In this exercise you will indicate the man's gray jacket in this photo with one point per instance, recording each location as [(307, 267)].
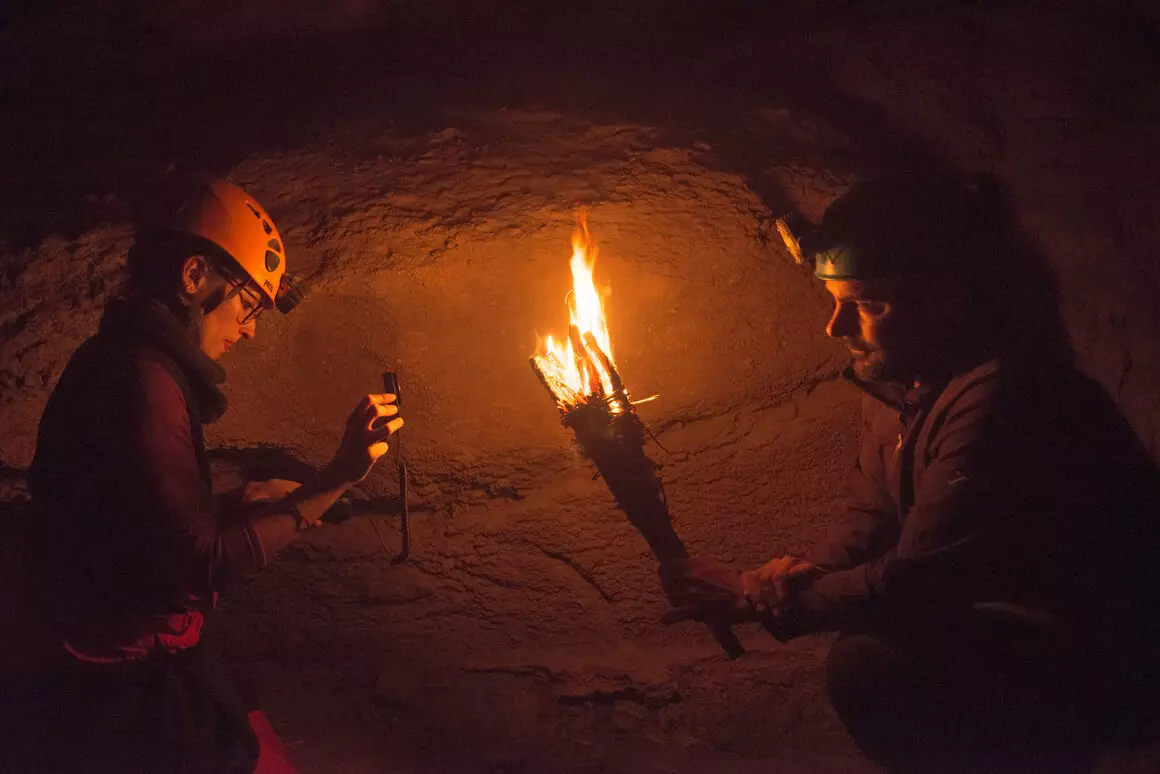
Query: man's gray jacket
[(996, 486)]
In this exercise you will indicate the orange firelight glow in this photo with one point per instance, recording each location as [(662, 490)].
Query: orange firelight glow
[(576, 375)]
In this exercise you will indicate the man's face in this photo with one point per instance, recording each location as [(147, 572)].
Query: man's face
[(233, 320), (878, 327)]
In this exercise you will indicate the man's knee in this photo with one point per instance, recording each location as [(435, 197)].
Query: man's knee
[(864, 669), (917, 698), (874, 686)]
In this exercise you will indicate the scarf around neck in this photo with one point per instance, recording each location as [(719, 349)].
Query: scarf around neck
[(150, 321)]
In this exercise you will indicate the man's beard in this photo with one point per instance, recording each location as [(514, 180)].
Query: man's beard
[(868, 367), (876, 366)]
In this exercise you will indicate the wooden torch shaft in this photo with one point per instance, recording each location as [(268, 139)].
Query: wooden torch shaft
[(632, 478), (612, 436), (639, 494)]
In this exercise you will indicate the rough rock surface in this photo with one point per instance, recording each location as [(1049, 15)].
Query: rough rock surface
[(426, 185)]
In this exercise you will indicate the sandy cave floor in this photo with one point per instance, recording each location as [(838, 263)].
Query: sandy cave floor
[(433, 218)]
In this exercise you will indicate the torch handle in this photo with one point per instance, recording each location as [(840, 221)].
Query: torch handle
[(639, 493), (615, 444), (728, 641)]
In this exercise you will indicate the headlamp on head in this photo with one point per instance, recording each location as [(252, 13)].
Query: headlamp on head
[(901, 225), (291, 291), (808, 246)]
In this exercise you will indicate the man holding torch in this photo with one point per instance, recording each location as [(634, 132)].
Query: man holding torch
[(988, 563)]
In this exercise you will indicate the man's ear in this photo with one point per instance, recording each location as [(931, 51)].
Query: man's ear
[(194, 276)]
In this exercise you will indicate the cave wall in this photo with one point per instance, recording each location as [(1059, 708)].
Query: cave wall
[(431, 203)]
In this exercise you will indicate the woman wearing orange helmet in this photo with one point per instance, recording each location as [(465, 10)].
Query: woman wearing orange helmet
[(131, 546)]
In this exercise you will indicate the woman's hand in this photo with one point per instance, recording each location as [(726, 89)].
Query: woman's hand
[(365, 438)]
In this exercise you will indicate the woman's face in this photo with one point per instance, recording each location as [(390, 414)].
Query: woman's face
[(232, 320)]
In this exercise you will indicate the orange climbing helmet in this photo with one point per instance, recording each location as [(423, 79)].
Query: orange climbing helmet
[(219, 212)]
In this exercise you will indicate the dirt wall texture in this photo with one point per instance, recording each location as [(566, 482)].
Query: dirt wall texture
[(427, 190)]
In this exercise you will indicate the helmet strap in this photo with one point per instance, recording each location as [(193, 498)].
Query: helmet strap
[(194, 315), (222, 293), (215, 299)]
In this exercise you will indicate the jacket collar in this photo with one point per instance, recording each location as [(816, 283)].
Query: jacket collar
[(901, 397), (898, 396), (149, 321)]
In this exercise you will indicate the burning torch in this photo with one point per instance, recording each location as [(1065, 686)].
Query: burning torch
[(583, 381)]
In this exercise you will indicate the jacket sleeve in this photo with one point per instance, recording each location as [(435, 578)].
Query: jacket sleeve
[(192, 545), (930, 564), (867, 525)]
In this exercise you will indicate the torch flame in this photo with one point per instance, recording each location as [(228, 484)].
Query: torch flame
[(586, 308), (571, 369)]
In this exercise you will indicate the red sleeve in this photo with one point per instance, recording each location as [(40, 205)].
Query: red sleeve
[(194, 547)]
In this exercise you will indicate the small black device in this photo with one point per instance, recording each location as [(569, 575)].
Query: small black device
[(391, 385)]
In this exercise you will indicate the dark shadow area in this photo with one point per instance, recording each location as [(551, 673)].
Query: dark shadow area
[(1010, 691), (99, 116), (13, 485), (258, 463), (231, 467)]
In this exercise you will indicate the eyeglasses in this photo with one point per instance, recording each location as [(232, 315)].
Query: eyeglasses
[(252, 304)]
